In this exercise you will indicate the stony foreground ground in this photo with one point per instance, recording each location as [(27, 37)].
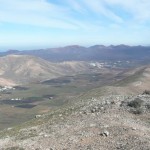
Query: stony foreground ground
[(101, 123)]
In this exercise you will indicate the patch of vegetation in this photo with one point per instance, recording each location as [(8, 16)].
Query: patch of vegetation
[(148, 106), (146, 92), (26, 106), (136, 103), (48, 96), (130, 79), (6, 92), (14, 148), (32, 99), (20, 88), (137, 111), (57, 81), (58, 102), (11, 102), (21, 101)]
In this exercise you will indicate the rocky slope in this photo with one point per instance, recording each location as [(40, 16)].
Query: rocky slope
[(106, 118), (136, 81), (104, 122)]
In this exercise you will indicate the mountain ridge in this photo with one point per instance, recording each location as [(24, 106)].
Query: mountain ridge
[(92, 53)]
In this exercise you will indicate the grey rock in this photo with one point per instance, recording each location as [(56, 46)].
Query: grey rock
[(38, 116), (105, 133)]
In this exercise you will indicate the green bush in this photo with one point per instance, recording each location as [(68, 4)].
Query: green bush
[(137, 111), (146, 92), (136, 103), (148, 106)]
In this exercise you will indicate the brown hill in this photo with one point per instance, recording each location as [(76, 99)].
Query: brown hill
[(16, 69), (135, 81)]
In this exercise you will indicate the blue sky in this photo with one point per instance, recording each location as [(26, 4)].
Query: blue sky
[(31, 24)]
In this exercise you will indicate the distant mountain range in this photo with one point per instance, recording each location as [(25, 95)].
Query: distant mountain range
[(19, 67), (93, 53)]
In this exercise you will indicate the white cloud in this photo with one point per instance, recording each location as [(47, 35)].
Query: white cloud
[(98, 7), (139, 9), (77, 6), (88, 17), (46, 14), (35, 12)]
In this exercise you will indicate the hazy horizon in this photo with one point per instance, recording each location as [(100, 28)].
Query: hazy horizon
[(50, 47), (35, 24)]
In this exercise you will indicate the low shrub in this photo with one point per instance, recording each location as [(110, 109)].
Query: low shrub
[(137, 111), (146, 92), (136, 103), (148, 106)]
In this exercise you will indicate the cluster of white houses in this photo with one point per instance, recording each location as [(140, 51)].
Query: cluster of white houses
[(6, 88)]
